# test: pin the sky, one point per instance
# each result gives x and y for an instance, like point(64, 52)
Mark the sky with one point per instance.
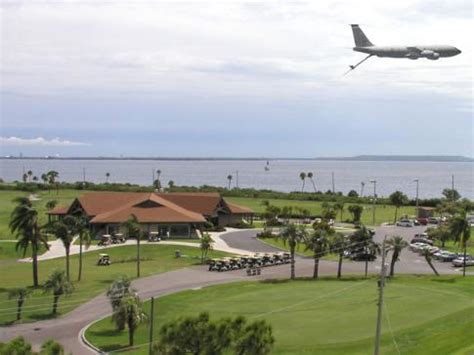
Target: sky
point(232, 79)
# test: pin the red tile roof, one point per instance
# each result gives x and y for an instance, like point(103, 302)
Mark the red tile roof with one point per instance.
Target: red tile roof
point(117, 207)
point(59, 210)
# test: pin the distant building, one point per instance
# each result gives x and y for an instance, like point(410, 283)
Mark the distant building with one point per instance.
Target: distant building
point(176, 215)
point(425, 212)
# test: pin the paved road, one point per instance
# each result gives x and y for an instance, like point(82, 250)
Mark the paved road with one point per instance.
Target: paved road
point(66, 329)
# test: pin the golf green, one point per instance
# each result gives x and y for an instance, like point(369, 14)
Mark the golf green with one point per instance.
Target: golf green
point(422, 315)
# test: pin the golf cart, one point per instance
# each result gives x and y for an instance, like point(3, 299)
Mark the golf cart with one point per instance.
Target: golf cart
point(104, 260)
point(118, 238)
point(154, 237)
point(105, 239)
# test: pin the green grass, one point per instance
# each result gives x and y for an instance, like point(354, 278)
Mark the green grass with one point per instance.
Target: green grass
point(156, 258)
point(9, 252)
point(383, 213)
point(427, 315)
point(64, 197)
point(456, 248)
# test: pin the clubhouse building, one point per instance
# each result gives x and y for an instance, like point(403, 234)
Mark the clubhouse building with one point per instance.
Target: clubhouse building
point(174, 215)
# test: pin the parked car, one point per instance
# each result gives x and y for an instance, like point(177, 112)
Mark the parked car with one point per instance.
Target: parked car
point(433, 220)
point(445, 255)
point(422, 220)
point(363, 256)
point(405, 223)
point(416, 247)
point(460, 261)
point(421, 240)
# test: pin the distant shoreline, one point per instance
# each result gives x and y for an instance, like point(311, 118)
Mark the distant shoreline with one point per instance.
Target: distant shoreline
point(359, 158)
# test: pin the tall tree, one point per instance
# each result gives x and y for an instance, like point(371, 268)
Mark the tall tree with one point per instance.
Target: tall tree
point(57, 284)
point(398, 199)
point(428, 258)
point(303, 179)
point(318, 243)
point(52, 176)
point(451, 194)
point(460, 228)
point(356, 212)
point(82, 229)
point(20, 295)
point(292, 235)
point(396, 244)
point(338, 245)
point(120, 288)
point(25, 177)
point(132, 228)
point(130, 313)
point(62, 232)
point(339, 206)
point(310, 177)
point(205, 245)
point(25, 225)
point(361, 241)
point(229, 180)
point(30, 174)
point(362, 185)
point(51, 204)
point(107, 176)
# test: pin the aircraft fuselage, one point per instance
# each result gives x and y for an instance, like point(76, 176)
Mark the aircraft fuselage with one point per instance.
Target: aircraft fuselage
point(432, 52)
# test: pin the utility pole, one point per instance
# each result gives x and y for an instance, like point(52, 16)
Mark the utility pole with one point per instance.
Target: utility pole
point(150, 338)
point(452, 182)
point(381, 284)
point(83, 176)
point(417, 186)
point(153, 177)
point(373, 202)
point(333, 187)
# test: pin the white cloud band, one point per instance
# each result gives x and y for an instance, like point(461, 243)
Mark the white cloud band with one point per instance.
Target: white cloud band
point(39, 141)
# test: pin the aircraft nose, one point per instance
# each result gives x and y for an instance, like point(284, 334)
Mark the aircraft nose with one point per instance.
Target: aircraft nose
point(458, 51)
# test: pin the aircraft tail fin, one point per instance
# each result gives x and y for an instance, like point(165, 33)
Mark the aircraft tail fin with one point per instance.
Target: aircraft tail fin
point(360, 38)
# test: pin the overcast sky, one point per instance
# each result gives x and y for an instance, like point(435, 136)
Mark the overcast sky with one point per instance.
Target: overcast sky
point(232, 78)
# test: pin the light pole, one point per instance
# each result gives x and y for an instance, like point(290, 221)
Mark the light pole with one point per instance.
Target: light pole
point(417, 189)
point(373, 202)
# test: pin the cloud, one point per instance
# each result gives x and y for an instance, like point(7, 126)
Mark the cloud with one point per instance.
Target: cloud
point(39, 141)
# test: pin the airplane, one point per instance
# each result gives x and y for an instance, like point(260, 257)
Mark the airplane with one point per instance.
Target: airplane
point(431, 52)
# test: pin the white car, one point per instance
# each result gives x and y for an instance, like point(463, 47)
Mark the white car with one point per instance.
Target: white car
point(460, 261)
point(418, 246)
point(405, 223)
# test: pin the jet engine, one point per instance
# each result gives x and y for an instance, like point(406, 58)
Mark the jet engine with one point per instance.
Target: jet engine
point(429, 54)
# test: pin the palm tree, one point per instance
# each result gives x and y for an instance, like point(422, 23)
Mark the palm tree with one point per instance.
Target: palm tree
point(25, 177)
point(339, 244)
point(461, 231)
point(52, 175)
point(24, 223)
point(51, 204)
point(132, 227)
point(206, 246)
point(158, 174)
point(303, 178)
point(119, 289)
point(63, 230)
point(20, 294)
point(171, 184)
point(107, 175)
point(362, 184)
point(397, 199)
point(130, 312)
point(339, 206)
point(58, 284)
point(396, 244)
point(35, 178)
point(428, 257)
point(30, 174)
point(229, 179)
point(362, 242)
point(44, 177)
point(292, 235)
point(310, 177)
point(318, 243)
point(82, 229)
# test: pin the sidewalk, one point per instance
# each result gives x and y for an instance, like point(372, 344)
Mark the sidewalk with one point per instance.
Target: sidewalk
point(56, 247)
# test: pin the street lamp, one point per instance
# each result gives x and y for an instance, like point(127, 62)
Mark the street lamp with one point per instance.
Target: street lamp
point(373, 202)
point(417, 189)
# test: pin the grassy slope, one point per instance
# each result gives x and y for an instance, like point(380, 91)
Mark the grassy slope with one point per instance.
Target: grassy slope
point(383, 213)
point(64, 197)
point(328, 316)
point(155, 259)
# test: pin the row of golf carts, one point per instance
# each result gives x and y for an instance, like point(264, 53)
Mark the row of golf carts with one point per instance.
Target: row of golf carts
point(421, 242)
point(257, 260)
